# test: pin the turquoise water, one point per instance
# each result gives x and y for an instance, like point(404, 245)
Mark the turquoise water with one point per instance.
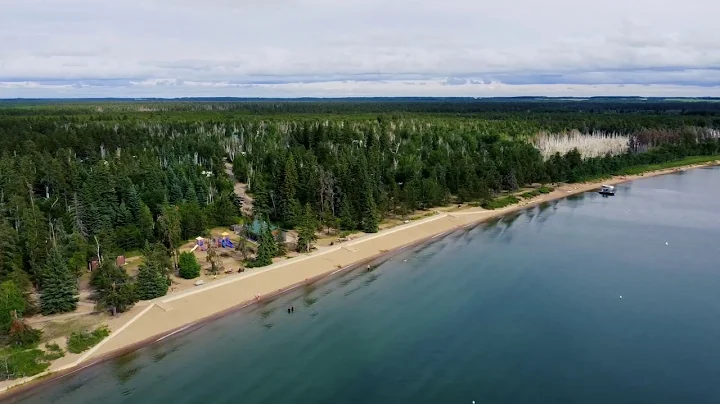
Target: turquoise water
point(525, 309)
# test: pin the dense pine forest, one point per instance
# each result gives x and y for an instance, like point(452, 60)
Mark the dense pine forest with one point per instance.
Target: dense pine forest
point(94, 180)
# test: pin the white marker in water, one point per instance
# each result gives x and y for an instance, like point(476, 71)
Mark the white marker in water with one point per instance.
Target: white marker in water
point(666, 243)
point(621, 296)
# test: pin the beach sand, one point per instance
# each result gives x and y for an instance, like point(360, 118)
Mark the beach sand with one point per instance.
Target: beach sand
point(152, 320)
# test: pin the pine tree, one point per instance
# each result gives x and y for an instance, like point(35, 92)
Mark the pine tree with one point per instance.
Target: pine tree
point(306, 231)
point(146, 223)
point(151, 282)
point(189, 267)
point(133, 201)
point(267, 248)
point(10, 256)
point(347, 215)
point(34, 233)
point(290, 206)
point(124, 216)
point(113, 289)
point(59, 288)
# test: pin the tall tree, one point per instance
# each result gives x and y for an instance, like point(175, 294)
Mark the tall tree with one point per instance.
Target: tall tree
point(306, 231)
point(113, 289)
point(59, 289)
point(267, 248)
point(151, 282)
point(11, 301)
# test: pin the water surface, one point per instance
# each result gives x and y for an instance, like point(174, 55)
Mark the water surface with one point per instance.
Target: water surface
point(526, 309)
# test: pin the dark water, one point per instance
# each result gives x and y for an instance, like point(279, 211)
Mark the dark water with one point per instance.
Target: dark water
point(523, 310)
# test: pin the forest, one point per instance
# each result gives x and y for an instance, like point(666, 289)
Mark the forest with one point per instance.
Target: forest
point(95, 180)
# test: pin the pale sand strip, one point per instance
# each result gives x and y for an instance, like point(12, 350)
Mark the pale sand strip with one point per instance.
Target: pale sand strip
point(174, 313)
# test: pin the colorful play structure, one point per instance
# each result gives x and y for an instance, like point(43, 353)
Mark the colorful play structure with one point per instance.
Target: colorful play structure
point(223, 242)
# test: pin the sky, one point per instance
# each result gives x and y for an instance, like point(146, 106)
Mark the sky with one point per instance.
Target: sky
point(345, 48)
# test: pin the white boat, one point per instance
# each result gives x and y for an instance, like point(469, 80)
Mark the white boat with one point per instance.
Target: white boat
point(607, 190)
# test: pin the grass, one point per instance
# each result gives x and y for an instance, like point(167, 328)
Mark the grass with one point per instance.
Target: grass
point(53, 351)
point(498, 203)
point(635, 170)
point(530, 194)
point(545, 189)
point(18, 362)
point(82, 341)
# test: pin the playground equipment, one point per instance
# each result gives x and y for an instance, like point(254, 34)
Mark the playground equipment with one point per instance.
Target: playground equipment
point(200, 243)
point(225, 241)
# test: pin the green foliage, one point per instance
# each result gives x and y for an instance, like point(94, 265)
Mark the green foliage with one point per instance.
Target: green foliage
point(79, 342)
point(530, 194)
point(500, 202)
point(267, 248)
point(189, 267)
point(306, 231)
point(12, 300)
point(151, 282)
point(59, 288)
point(53, 351)
point(545, 189)
point(21, 334)
point(113, 289)
point(16, 362)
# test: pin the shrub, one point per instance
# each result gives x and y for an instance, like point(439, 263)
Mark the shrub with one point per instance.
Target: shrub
point(53, 351)
point(545, 190)
point(189, 267)
point(500, 202)
point(82, 341)
point(18, 362)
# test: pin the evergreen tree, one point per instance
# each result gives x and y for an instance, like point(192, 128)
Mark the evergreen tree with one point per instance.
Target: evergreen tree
point(124, 216)
point(59, 288)
point(151, 282)
point(267, 248)
point(35, 235)
point(146, 223)
point(189, 267)
point(306, 231)
point(290, 206)
point(347, 215)
point(10, 256)
point(133, 201)
point(113, 289)
point(280, 248)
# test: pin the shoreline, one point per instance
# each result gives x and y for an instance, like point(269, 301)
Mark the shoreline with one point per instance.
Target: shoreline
point(177, 314)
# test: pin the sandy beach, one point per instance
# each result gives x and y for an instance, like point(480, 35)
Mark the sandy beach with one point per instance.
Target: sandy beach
point(150, 321)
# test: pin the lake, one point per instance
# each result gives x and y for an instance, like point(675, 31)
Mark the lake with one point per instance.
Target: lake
point(590, 299)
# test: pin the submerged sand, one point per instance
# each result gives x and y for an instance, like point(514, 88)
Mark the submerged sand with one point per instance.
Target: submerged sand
point(152, 320)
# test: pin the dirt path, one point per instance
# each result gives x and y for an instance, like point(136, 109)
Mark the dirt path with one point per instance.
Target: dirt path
point(240, 190)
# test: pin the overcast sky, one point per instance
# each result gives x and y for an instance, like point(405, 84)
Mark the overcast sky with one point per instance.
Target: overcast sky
point(286, 48)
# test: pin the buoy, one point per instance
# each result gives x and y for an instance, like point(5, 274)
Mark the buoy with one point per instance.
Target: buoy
point(621, 296)
point(666, 243)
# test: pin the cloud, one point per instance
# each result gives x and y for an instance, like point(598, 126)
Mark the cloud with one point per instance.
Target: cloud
point(110, 47)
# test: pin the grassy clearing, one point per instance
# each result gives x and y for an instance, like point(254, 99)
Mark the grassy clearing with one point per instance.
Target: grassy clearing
point(53, 351)
point(82, 341)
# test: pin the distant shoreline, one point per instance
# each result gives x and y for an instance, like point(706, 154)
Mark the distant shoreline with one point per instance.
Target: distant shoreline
point(177, 314)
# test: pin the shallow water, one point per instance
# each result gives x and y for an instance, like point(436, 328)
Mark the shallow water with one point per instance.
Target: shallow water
point(526, 309)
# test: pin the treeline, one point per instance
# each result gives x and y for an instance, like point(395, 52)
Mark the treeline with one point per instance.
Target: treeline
point(107, 181)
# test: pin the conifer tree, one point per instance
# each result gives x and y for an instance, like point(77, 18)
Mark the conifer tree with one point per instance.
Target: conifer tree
point(151, 282)
point(306, 231)
point(267, 248)
point(59, 289)
point(10, 257)
point(113, 289)
point(146, 223)
point(133, 201)
point(189, 267)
